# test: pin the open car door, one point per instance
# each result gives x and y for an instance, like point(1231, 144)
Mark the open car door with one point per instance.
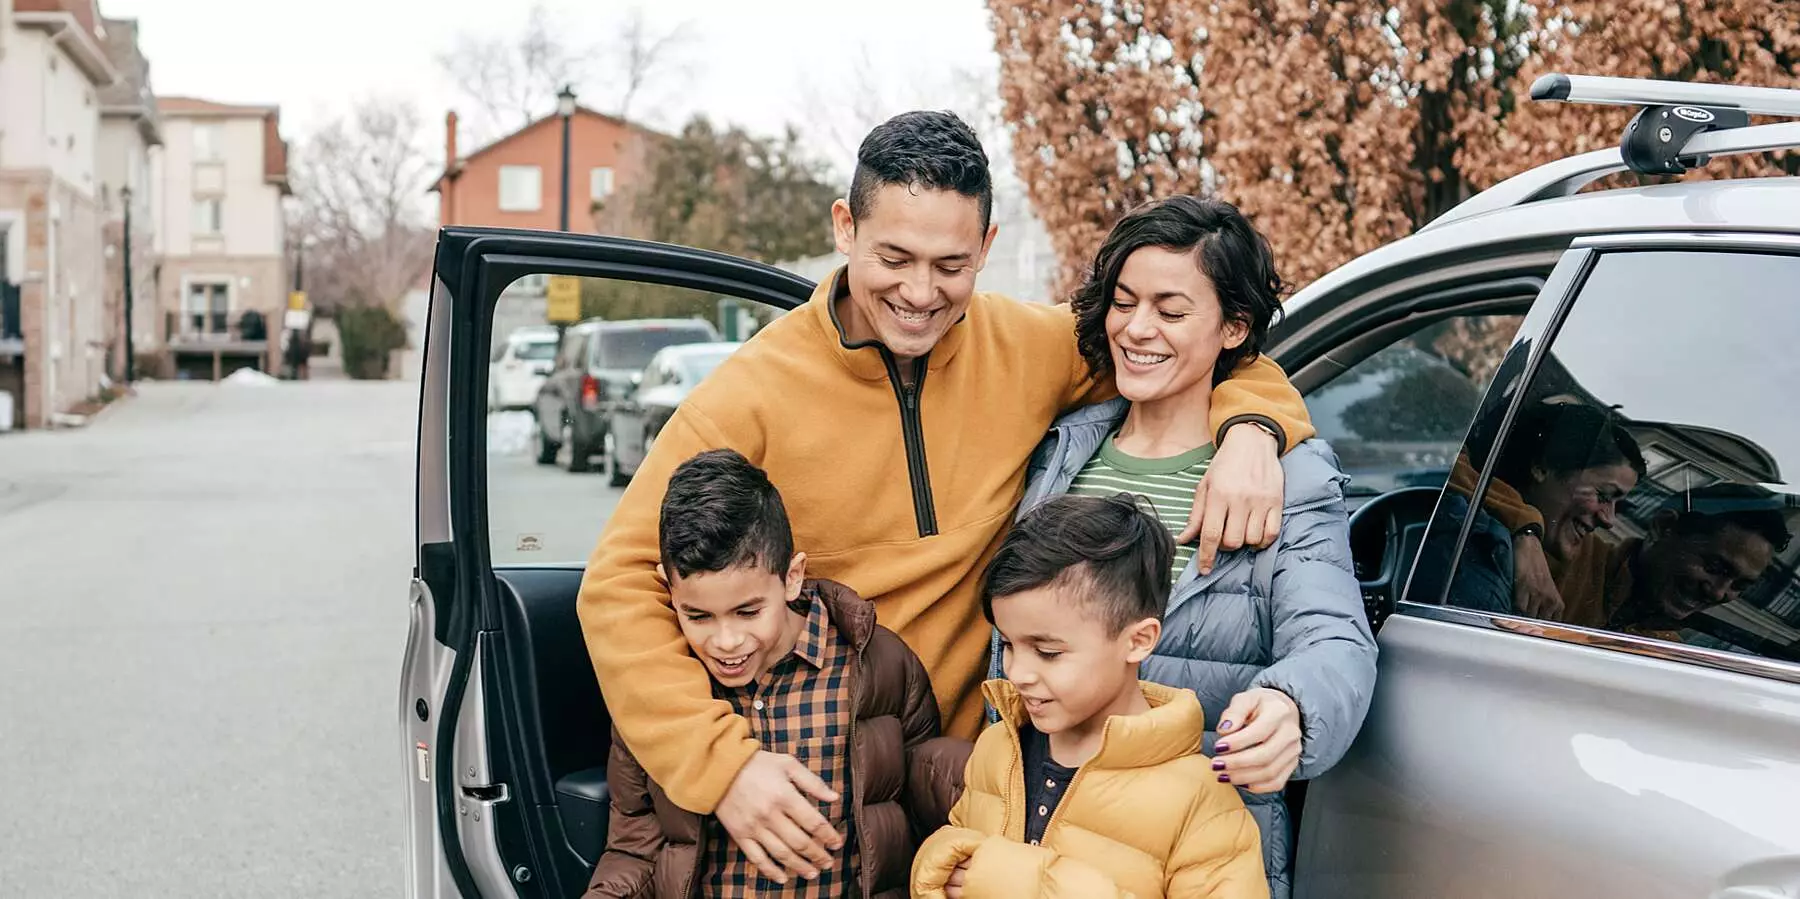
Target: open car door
point(505, 736)
point(1642, 738)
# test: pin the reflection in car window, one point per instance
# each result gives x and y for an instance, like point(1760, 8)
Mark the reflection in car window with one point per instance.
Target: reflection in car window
point(1649, 459)
point(1397, 417)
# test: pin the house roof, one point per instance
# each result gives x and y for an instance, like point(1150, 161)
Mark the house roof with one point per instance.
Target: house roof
point(196, 107)
point(275, 149)
point(80, 20)
point(454, 167)
point(130, 95)
point(86, 12)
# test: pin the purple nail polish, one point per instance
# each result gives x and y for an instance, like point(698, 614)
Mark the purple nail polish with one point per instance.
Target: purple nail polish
point(1224, 726)
point(1224, 778)
point(1218, 766)
point(1221, 747)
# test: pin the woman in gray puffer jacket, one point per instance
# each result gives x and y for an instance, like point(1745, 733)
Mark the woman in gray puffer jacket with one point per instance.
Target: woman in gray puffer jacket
point(1274, 642)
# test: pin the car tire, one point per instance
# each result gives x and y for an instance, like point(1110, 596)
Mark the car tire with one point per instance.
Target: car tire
point(580, 456)
point(546, 454)
point(615, 475)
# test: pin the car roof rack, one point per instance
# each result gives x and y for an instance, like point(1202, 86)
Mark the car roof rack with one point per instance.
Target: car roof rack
point(1679, 126)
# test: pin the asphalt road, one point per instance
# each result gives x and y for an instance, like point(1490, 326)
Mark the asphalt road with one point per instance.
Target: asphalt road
point(540, 513)
point(202, 615)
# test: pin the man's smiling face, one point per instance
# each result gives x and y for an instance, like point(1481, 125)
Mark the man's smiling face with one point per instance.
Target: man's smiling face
point(913, 256)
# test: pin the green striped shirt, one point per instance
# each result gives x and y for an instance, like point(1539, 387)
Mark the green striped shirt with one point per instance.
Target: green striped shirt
point(1168, 483)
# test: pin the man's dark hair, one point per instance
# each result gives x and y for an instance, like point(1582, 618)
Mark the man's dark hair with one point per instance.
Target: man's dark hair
point(720, 513)
point(932, 150)
point(1565, 438)
point(1107, 551)
point(1229, 251)
point(1704, 511)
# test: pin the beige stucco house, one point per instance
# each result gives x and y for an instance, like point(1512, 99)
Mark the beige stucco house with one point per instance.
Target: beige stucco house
point(221, 234)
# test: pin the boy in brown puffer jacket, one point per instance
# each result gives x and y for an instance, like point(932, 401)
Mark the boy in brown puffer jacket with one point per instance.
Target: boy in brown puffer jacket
point(818, 679)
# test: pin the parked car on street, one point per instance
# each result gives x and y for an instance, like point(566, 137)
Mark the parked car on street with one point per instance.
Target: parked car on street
point(519, 367)
point(1651, 749)
point(672, 374)
point(599, 363)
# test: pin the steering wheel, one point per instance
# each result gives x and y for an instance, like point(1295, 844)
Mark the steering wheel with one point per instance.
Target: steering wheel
point(1385, 535)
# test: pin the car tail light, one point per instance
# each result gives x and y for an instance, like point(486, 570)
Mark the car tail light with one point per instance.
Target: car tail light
point(590, 392)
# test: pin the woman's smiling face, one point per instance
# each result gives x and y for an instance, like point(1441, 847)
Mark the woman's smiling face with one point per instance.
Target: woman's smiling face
point(1165, 326)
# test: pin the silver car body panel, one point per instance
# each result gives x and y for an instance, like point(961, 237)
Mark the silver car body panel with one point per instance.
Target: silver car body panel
point(1502, 764)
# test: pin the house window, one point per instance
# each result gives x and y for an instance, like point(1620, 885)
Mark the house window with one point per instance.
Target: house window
point(209, 215)
point(206, 309)
point(206, 143)
point(600, 183)
point(521, 188)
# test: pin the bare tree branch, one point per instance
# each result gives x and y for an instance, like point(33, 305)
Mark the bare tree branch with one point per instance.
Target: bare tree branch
point(644, 55)
point(359, 185)
point(513, 79)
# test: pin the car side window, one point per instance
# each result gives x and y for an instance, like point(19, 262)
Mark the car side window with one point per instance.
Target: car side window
point(499, 352)
point(1640, 487)
point(1397, 417)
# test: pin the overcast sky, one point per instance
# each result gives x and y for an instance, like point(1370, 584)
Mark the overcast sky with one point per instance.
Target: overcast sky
point(759, 64)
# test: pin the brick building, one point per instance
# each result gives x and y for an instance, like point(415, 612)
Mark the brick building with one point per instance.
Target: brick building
point(54, 335)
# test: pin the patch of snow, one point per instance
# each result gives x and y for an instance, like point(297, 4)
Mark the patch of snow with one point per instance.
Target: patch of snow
point(250, 377)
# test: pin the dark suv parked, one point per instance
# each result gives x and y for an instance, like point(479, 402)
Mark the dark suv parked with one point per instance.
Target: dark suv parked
point(598, 366)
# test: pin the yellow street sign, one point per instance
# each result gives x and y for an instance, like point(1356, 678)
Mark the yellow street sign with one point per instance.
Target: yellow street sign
point(297, 299)
point(563, 299)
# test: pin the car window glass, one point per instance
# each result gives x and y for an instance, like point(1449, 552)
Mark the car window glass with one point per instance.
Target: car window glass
point(631, 348)
point(1651, 459)
point(1396, 418)
point(550, 482)
point(499, 353)
point(537, 351)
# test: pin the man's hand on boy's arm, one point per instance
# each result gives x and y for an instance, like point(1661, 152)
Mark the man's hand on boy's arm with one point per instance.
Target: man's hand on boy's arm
point(769, 815)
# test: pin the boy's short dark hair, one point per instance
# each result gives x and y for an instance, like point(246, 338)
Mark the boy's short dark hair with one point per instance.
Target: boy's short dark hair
point(1704, 511)
point(720, 513)
point(934, 150)
point(1106, 550)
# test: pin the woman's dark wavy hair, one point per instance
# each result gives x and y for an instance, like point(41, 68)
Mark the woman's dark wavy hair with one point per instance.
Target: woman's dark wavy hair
point(1231, 253)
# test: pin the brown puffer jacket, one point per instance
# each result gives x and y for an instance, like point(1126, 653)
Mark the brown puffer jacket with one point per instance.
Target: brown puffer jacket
point(903, 777)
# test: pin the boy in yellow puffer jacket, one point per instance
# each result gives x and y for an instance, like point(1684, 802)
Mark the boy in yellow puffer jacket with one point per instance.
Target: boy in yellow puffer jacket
point(1093, 784)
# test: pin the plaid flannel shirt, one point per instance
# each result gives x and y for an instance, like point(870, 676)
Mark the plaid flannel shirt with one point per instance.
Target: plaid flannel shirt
point(801, 707)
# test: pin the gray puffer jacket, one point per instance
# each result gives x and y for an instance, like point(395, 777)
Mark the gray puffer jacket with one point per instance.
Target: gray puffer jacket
point(1290, 617)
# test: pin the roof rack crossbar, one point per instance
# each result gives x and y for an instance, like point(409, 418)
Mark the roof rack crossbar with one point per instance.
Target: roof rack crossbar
point(1566, 176)
point(1600, 89)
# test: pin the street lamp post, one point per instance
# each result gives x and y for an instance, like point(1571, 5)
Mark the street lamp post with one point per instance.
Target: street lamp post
point(130, 351)
point(565, 106)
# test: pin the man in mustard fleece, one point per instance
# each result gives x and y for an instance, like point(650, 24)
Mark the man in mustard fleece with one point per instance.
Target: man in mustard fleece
point(897, 410)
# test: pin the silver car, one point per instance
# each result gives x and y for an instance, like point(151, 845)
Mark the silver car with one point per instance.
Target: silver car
point(1637, 736)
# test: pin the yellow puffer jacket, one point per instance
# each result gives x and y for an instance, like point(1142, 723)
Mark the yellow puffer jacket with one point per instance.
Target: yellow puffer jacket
point(1145, 817)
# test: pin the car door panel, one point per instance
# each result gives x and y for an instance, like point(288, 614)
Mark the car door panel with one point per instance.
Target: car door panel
point(1509, 756)
point(505, 733)
point(1488, 757)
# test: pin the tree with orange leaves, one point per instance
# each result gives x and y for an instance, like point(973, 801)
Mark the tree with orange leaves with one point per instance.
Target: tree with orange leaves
point(1338, 126)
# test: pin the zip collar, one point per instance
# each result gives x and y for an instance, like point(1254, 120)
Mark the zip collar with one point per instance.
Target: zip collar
point(867, 360)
